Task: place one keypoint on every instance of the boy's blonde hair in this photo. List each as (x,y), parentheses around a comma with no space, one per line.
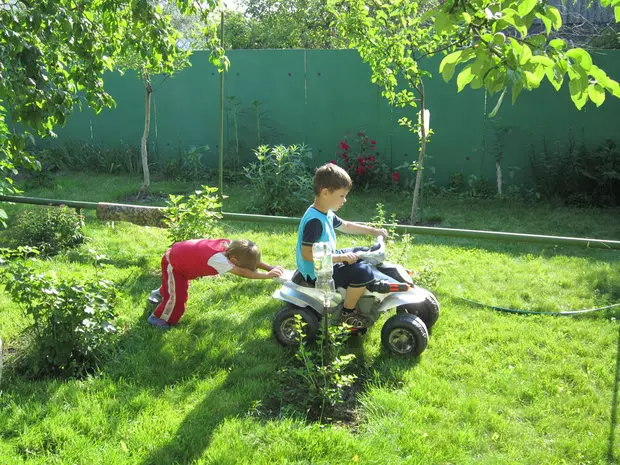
(331,177)
(246,252)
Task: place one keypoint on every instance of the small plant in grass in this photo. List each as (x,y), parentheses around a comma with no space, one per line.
(280,181)
(49,229)
(70,330)
(193,217)
(315,380)
(192,162)
(7,254)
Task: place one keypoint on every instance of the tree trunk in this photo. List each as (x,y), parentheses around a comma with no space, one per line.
(145,137)
(498,173)
(418,179)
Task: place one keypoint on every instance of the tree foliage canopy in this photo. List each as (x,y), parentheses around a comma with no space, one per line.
(490,44)
(53,54)
(282,24)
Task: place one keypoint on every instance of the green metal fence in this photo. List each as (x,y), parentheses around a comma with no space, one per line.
(317,97)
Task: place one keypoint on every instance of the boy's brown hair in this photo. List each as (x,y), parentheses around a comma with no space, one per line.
(246,252)
(331,177)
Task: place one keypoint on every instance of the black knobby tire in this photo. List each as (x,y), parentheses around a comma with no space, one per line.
(427,310)
(404,334)
(284,325)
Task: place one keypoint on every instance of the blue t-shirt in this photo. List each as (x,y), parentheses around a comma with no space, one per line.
(315,226)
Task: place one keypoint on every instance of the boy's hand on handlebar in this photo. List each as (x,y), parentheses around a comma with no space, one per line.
(381,232)
(349,257)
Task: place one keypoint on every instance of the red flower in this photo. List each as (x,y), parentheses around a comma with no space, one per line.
(395,176)
(361,160)
(360,170)
(333,162)
(373,142)
(371,158)
(373,148)
(345,157)
(369,167)
(360,133)
(343,145)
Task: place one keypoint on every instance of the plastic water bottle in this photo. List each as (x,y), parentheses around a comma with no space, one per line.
(323,268)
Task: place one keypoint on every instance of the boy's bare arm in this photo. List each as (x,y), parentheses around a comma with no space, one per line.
(349,227)
(306,253)
(266,266)
(274,272)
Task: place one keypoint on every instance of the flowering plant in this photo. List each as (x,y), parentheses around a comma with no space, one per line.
(363,162)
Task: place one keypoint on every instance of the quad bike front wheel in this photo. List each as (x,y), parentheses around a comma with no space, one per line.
(427,310)
(286,329)
(404,334)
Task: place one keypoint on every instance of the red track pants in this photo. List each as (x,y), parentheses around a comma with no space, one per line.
(173,290)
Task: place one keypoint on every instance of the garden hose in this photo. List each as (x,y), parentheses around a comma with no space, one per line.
(532,312)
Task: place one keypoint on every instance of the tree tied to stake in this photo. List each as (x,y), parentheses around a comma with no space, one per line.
(488,44)
(53,54)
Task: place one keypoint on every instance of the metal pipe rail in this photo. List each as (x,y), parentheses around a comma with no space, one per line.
(423,230)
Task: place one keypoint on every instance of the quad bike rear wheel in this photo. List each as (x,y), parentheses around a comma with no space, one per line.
(404,334)
(427,310)
(285,325)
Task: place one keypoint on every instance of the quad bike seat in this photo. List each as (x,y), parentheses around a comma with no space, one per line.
(299,279)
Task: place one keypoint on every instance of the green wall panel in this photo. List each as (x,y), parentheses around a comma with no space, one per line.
(319,96)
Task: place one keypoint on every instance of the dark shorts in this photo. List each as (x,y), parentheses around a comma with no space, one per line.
(355,275)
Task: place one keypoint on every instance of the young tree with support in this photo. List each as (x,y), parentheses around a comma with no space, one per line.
(53,54)
(492,42)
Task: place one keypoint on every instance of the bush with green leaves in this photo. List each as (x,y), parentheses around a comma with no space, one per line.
(49,229)
(193,217)
(280,181)
(71,329)
(577,175)
(316,379)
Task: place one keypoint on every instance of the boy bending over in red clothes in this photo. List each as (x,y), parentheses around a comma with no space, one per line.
(192,259)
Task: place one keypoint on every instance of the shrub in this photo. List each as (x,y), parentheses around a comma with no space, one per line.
(280,181)
(193,217)
(49,229)
(71,322)
(577,175)
(364,164)
(80,156)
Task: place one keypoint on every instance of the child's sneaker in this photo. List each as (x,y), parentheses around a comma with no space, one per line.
(155,297)
(358,323)
(157,322)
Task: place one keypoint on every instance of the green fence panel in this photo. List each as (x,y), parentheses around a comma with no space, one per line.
(319,97)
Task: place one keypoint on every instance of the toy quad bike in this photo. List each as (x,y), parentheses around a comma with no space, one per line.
(405,333)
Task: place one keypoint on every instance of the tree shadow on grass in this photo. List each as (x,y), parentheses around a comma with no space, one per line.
(215,353)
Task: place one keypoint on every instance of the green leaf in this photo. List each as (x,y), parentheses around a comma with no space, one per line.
(577,94)
(596,94)
(546,21)
(557,44)
(542,60)
(554,15)
(443,23)
(526,54)
(447,71)
(447,65)
(464,78)
(581,57)
(525,6)
(617,13)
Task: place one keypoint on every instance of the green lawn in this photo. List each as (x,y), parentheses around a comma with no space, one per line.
(492,387)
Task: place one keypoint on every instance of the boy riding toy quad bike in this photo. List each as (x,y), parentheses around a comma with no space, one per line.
(405,333)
